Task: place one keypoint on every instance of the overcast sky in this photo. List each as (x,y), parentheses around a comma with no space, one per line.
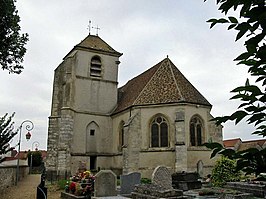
(145,31)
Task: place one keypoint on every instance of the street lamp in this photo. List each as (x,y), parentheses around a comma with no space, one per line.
(28,127)
(36,145)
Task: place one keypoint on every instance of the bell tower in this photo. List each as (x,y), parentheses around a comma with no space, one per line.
(84,96)
(96,74)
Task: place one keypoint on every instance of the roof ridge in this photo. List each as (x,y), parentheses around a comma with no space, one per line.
(172,72)
(143,89)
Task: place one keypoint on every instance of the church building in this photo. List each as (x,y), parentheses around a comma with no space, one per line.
(156,118)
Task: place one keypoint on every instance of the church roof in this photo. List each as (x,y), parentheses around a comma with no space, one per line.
(96,44)
(161,84)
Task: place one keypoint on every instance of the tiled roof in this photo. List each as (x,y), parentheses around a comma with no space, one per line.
(95,43)
(231,142)
(243,145)
(252,144)
(161,84)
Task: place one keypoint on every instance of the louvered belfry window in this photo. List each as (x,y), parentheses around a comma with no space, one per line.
(96,67)
(159,132)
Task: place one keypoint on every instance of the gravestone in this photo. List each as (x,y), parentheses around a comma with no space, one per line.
(161,186)
(128,182)
(161,176)
(185,181)
(105,184)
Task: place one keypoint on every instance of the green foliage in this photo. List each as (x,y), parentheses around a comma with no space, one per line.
(12,44)
(252,27)
(250,161)
(7,132)
(225,171)
(36,158)
(62,184)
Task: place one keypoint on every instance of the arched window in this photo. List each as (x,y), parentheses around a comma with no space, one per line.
(196,131)
(121,135)
(96,66)
(159,132)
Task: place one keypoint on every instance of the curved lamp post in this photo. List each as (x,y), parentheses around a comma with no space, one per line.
(37,144)
(28,127)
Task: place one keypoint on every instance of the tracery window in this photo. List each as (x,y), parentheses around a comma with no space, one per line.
(196,131)
(96,66)
(159,132)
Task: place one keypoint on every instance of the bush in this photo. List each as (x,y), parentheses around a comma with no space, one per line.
(224,171)
(62,184)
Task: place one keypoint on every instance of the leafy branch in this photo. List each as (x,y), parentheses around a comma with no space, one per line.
(250,26)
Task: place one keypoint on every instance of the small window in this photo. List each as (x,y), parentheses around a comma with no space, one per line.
(92,132)
(196,131)
(159,132)
(96,66)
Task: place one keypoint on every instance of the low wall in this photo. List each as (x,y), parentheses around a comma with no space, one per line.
(8,176)
(257,190)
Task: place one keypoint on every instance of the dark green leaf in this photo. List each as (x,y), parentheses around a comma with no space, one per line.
(232,26)
(238,116)
(215,151)
(233,19)
(244,56)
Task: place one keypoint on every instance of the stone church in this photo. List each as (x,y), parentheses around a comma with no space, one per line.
(156,118)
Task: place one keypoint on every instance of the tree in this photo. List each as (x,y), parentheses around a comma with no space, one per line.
(224,171)
(36,158)
(7,132)
(12,44)
(251,26)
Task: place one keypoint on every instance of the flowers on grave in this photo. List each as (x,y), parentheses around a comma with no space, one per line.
(72,187)
(67,187)
(82,184)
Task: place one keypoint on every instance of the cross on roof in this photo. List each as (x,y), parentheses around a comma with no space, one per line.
(97,29)
(89,27)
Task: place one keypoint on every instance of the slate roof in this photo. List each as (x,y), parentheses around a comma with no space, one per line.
(96,44)
(161,84)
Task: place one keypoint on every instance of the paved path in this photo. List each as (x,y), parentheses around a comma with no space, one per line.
(26,188)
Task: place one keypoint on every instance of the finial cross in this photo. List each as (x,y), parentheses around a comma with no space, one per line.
(89,27)
(97,29)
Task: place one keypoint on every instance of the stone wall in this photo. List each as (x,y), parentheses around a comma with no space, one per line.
(8,176)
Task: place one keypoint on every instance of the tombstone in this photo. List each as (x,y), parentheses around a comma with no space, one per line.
(105,184)
(161,176)
(200,168)
(185,181)
(128,182)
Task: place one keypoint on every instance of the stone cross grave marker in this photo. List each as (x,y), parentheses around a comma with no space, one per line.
(105,184)
(161,176)
(129,181)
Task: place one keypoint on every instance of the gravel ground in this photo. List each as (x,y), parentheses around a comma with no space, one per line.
(27,189)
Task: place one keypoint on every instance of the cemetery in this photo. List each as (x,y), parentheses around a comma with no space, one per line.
(163,185)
